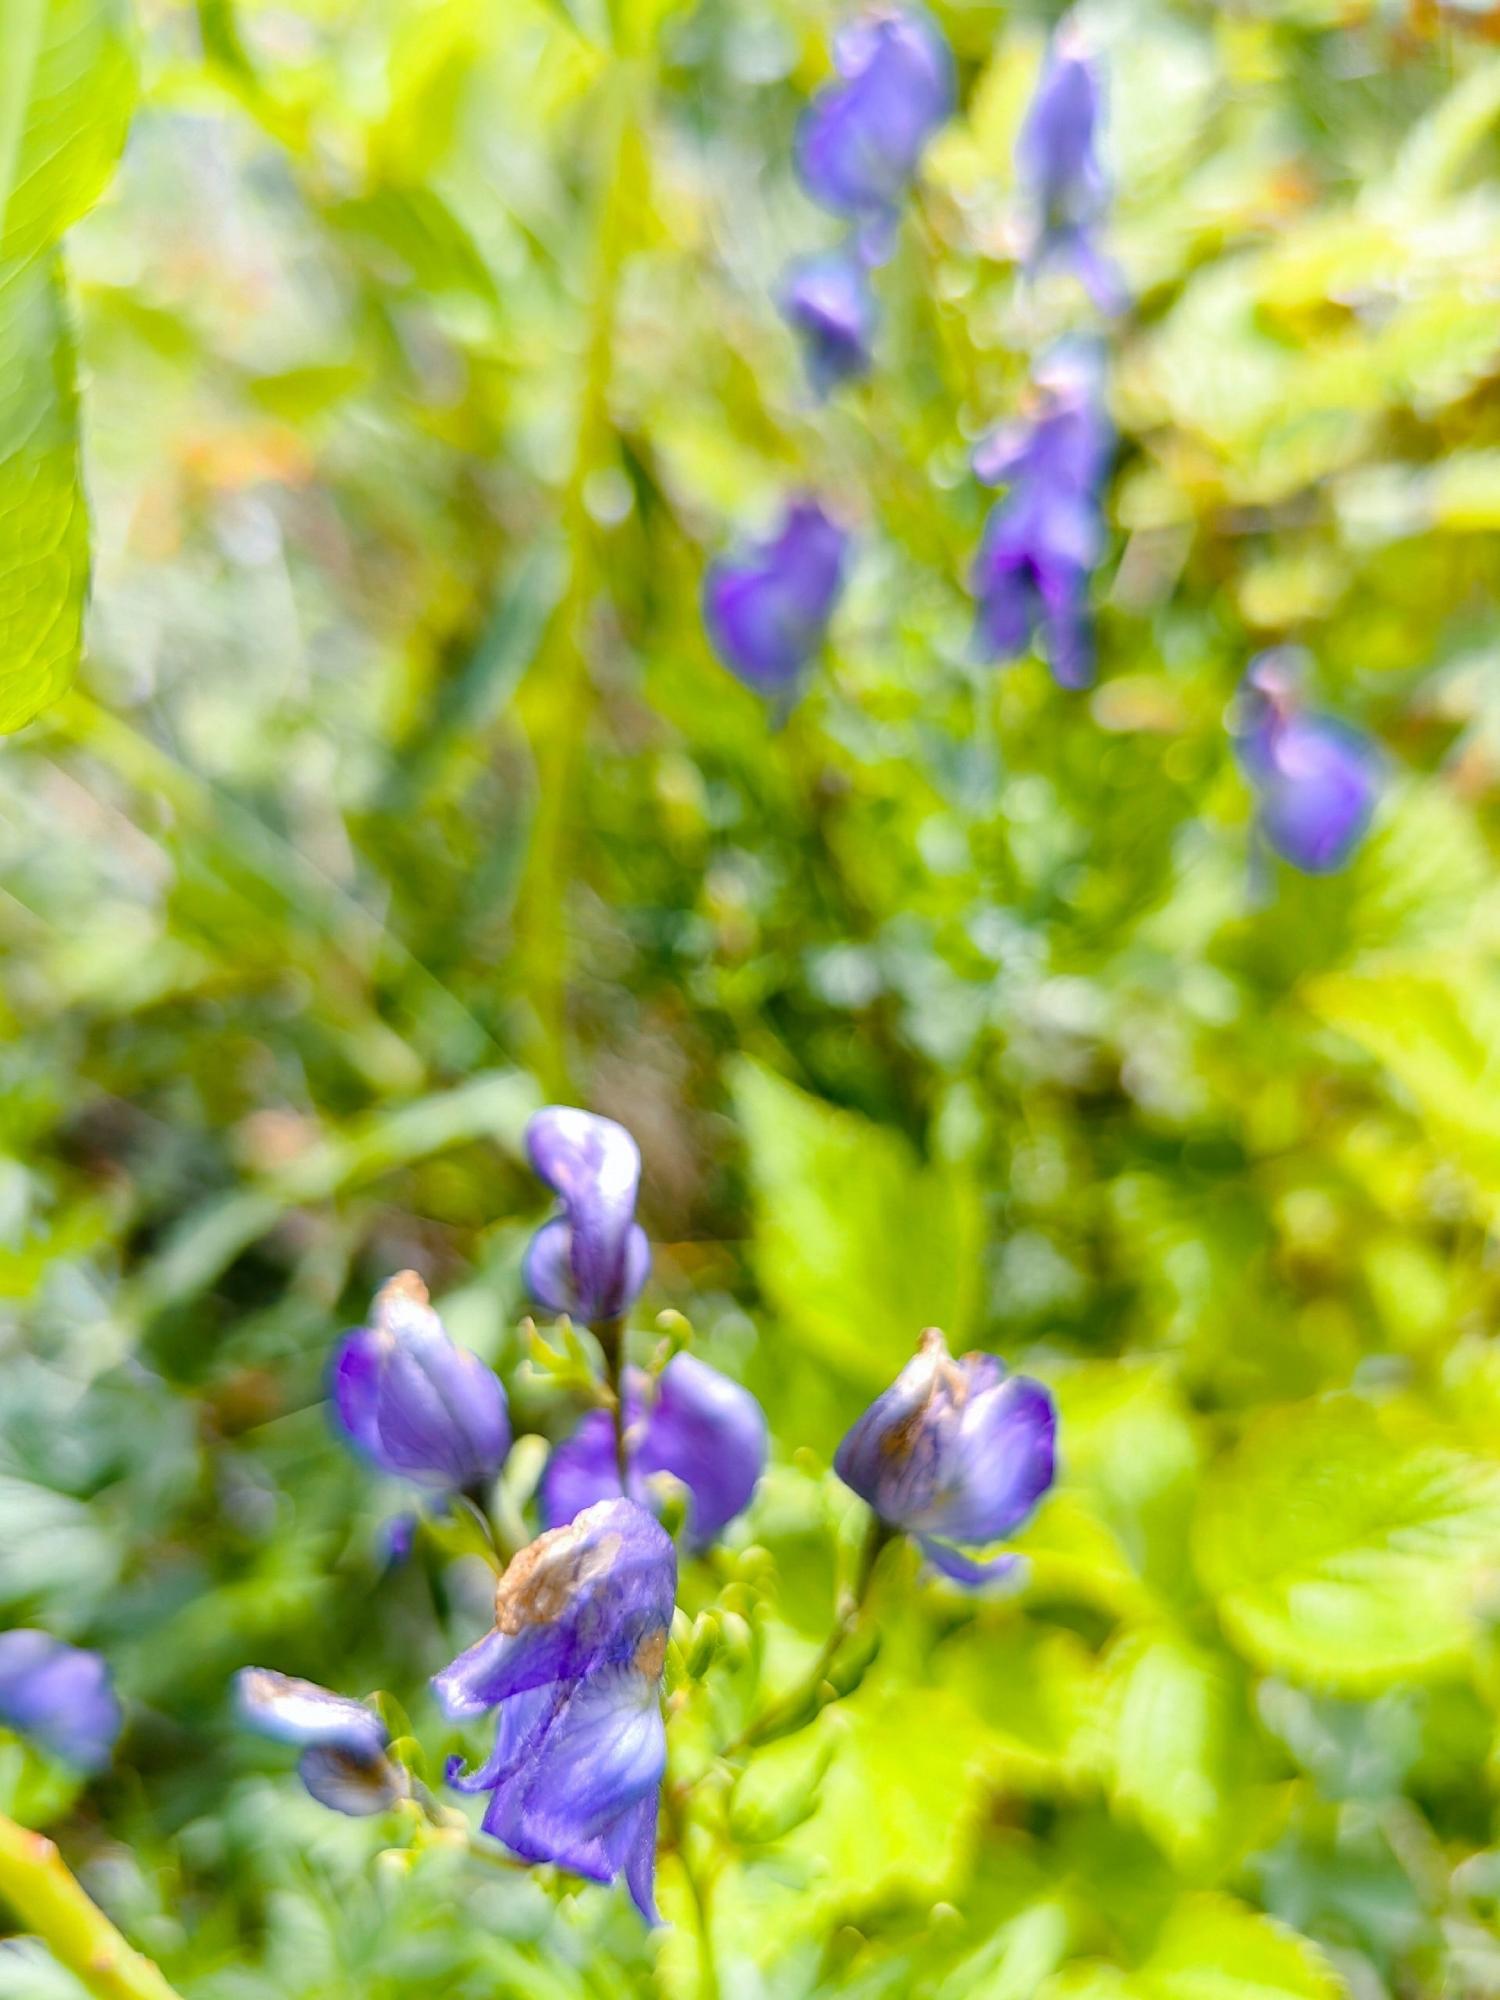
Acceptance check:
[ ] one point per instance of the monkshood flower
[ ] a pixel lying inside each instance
(592, 1261)
(830, 306)
(954, 1452)
(343, 1743)
(1044, 538)
(767, 606)
(60, 1696)
(1057, 160)
(574, 1667)
(861, 139)
(1316, 778)
(413, 1402)
(689, 1424)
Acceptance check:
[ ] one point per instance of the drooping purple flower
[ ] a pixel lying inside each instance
(574, 1667)
(954, 1452)
(413, 1402)
(592, 1261)
(343, 1743)
(829, 304)
(691, 1424)
(1044, 538)
(767, 606)
(61, 1696)
(861, 139)
(1316, 778)
(1057, 160)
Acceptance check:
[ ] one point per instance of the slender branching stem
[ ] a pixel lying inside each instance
(610, 1334)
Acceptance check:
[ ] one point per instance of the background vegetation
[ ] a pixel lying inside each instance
(429, 351)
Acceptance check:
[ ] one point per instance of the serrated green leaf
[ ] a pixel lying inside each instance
(1340, 1556)
(858, 1244)
(1170, 1720)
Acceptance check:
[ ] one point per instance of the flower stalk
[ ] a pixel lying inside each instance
(51, 1903)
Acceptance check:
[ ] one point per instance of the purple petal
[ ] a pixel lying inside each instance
(301, 1712)
(547, 1271)
(61, 1696)
(582, 1470)
(829, 304)
(1319, 794)
(1000, 1462)
(593, 1166)
(861, 139)
(708, 1432)
(355, 1375)
(353, 1785)
(768, 609)
(965, 1570)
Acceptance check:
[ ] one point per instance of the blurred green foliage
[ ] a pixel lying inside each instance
(429, 349)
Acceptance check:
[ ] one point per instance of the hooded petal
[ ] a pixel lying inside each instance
(593, 1166)
(861, 139)
(1318, 794)
(412, 1402)
(829, 304)
(999, 1463)
(547, 1270)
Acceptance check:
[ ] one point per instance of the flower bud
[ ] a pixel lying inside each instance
(767, 607)
(829, 305)
(954, 1452)
(592, 1260)
(412, 1402)
(343, 1743)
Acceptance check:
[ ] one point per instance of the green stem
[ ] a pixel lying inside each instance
(610, 1334)
(807, 1699)
(700, 1889)
(49, 1900)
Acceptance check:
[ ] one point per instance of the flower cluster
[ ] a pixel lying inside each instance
(1315, 778)
(1044, 538)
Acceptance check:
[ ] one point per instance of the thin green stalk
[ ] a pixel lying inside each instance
(610, 1334)
(806, 1700)
(50, 1902)
(700, 1889)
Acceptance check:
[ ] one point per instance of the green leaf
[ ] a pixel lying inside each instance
(1171, 1717)
(1341, 1556)
(44, 553)
(67, 83)
(858, 1245)
(1211, 1948)
(66, 86)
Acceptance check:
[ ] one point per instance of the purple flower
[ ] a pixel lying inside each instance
(60, 1696)
(1043, 540)
(954, 1451)
(343, 1743)
(592, 1261)
(691, 1424)
(1316, 779)
(414, 1403)
(767, 607)
(830, 306)
(574, 1666)
(861, 139)
(1058, 162)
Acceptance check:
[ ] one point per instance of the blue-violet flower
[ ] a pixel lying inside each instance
(574, 1667)
(690, 1424)
(954, 1452)
(413, 1402)
(1316, 778)
(1058, 162)
(768, 606)
(60, 1696)
(592, 1261)
(1044, 538)
(862, 138)
(829, 304)
(343, 1743)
